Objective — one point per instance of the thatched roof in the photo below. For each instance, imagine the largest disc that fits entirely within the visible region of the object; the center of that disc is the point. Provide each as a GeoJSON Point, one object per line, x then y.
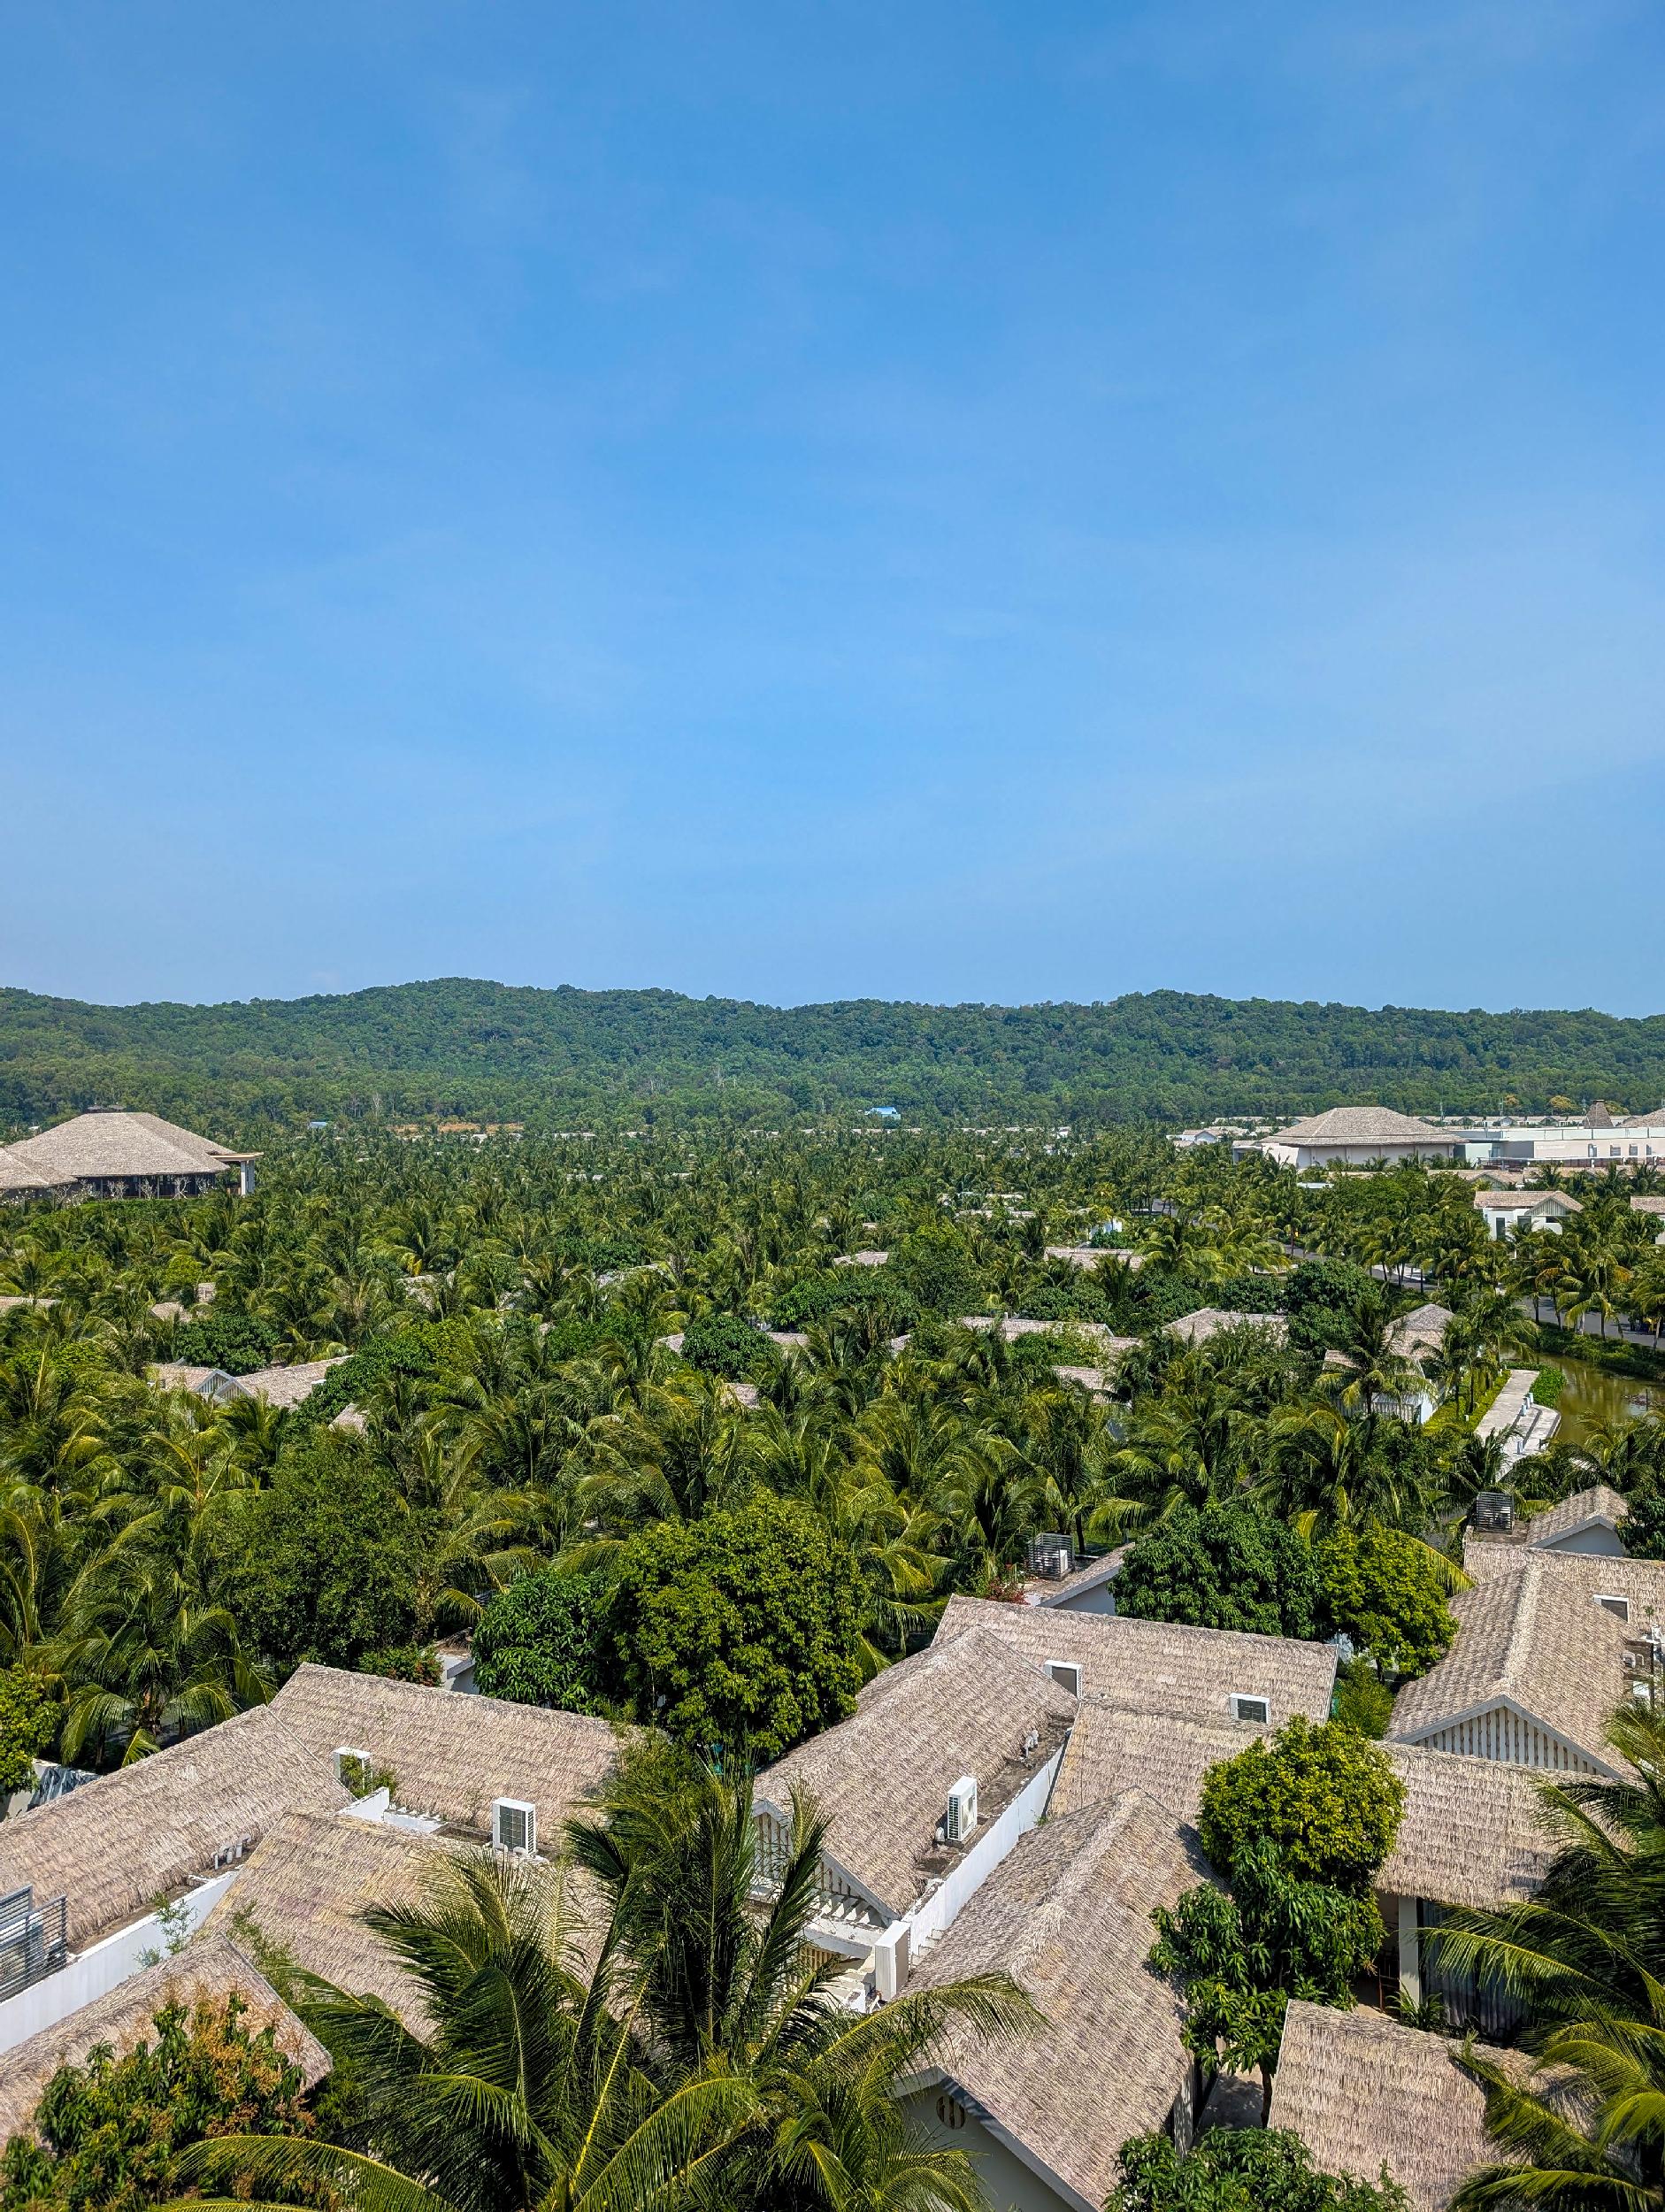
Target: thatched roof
{"type": "Point", "coordinates": [282, 1386]}
{"type": "Point", "coordinates": [1096, 1256]}
{"type": "Point", "coordinates": [1210, 1321]}
{"type": "Point", "coordinates": [1362, 2092]}
{"type": "Point", "coordinates": [452, 1754]}
{"type": "Point", "coordinates": [17, 1176]}
{"type": "Point", "coordinates": [1421, 1330]}
{"type": "Point", "coordinates": [1537, 1642]}
{"type": "Point", "coordinates": [305, 1891]}
{"type": "Point", "coordinates": [306, 1887]}
{"type": "Point", "coordinates": [95, 1145]}
{"type": "Point", "coordinates": [116, 1844]}
{"type": "Point", "coordinates": [1010, 1326]}
{"type": "Point", "coordinates": [1471, 1834]}
{"type": "Point", "coordinates": [208, 1971]}
{"type": "Point", "coordinates": [1096, 1380]}
{"type": "Point", "coordinates": [202, 1382]}
{"type": "Point", "coordinates": [1598, 1507]}
{"type": "Point", "coordinates": [1359, 1124]}
{"type": "Point", "coordinates": [1156, 1666]}
{"type": "Point", "coordinates": [1068, 1915]}
{"type": "Point", "coordinates": [286, 1386]}
{"type": "Point", "coordinates": [1487, 1554]}
{"type": "Point", "coordinates": [1113, 1748]}
{"type": "Point", "coordinates": [883, 1776]}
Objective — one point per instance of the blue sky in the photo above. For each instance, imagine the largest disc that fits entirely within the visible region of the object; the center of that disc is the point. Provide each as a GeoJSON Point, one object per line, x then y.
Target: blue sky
{"type": "Point", "coordinates": [956, 501]}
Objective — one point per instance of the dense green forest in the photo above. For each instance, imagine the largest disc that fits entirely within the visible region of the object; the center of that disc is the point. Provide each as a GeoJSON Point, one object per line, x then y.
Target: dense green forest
{"type": "Point", "coordinates": [558, 1356]}
{"type": "Point", "coordinates": [552, 1059]}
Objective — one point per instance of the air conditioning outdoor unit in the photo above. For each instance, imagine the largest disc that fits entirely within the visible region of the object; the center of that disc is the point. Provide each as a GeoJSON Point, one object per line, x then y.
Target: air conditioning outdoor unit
{"type": "Point", "coordinates": [961, 1818]}
{"type": "Point", "coordinates": [1050, 1557]}
{"type": "Point", "coordinates": [514, 1826]}
{"type": "Point", "coordinates": [1494, 1512]}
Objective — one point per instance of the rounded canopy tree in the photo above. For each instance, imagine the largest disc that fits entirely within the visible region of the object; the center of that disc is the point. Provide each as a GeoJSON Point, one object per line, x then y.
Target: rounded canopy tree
{"type": "Point", "coordinates": [738, 1632]}
{"type": "Point", "coordinates": [543, 1641]}
{"type": "Point", "coordinates": [1326, 1801]}
{"type": "Point", "coordinates": [1224, 1566]}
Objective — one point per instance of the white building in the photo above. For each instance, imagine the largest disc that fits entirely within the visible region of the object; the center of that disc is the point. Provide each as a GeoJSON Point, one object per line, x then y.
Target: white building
{"type": "Point", "coordinates": [1355, 1136]}
{"type": "Point", "coordinates": [1507, 1212]}
{"type": "Point", "coordinates": [1596, 1142]}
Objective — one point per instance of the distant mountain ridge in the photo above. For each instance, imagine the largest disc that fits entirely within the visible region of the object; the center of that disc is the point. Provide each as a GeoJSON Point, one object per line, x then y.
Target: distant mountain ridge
{"type": "Point", "coordinates": [459, 1046]}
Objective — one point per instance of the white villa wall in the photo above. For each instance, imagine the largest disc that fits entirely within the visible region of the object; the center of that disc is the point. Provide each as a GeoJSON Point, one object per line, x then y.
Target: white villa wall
{"type": "Point", "coordinates": [945, 1904]}
{"type": "Point", "coordinates": [105, 1966]}
{"type": "Point", "coordinates": [1502, 1733]}
{"type": "Point", "coordinates": [1100, 1598]}
{"type": "Point", "coordinates": [942, 2117]}
{"type": "Point", "coordinates": [1299, 1156]}
{"type": "Point", "coordinates": [1603, 1542]}
{"type": "Point", "coordinates": [1572, 1144]}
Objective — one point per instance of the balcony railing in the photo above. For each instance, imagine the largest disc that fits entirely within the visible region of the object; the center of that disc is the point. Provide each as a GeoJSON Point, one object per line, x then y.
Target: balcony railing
{"type": "Point", "coordinates": [32, 1939]}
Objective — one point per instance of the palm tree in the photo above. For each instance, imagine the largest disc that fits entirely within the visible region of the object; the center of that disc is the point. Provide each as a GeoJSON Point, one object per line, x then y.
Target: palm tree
{"type": "Point", "coordinates": [987, 1504]}
{"type": "Point", "coordinates": [1184, 1243]}
{"type": "Point", "coordinates": [1375, 1369]}
{"type": "Point", "coordinates": [1068, 1440]}
{"type": "Point", "coordinates": [1188, 1446]}
{"type": "Point", "coordinates": [1592, 1277]}
{"type": "Point", "coordinates": [1327, 1469]}
{"type": "Point", "coordinates": [686, 1455]}
{"type": "Point", "coordinates": [1534, 1266]}
{"type": "Point", "coordinates": [701, 2062]}
{"type": "Point", "coordinates": [52, 1427]}
{"type": "Point", "coordinates": [1586, 1958]}
{"type": "Point", "coordinates": [536, 2090]}
{"type": "Point", "coordinates": [719, 1935]}
{"type": "Point", "coordinates": [146, 1651]}
{"type": "Point", "coordinates": [1648, 1294]}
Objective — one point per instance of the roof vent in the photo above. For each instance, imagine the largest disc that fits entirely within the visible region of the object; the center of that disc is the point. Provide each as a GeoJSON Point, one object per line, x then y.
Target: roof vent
{"type": "Point", "coordinates": [961, 1815]}
{"type": "Point", "coordinates": [1050, 1557]}
{"type": "Point", "coordinates": [514, 1826]}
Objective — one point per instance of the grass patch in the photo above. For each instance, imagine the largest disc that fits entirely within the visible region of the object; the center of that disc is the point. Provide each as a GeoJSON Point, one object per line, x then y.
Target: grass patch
{"type": "Point", "coordinates": [1450, 1419]}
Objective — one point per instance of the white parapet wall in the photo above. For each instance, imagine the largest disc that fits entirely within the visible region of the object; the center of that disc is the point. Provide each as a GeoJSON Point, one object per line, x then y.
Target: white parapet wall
{"type": "Point", "coordinates": [105, 1966]}
{"type": "Point", "coordinates": [937, 1913]}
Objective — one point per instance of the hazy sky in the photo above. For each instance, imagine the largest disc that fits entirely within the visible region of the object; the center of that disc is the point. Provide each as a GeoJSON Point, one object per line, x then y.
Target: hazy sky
{"type": "Point", "coordinates": [806, 499]}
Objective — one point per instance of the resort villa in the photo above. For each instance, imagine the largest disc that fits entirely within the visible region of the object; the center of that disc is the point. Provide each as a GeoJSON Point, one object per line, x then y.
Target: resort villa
{"type": "Point", "coordinates": [119, 1155]}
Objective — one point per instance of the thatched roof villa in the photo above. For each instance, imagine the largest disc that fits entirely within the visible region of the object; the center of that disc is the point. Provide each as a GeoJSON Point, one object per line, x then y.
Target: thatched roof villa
{"type": "Point", "coordinates": [112, 1154]}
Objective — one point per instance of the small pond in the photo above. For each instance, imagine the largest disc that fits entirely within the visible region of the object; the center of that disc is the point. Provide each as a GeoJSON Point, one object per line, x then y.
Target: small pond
{"type": "Point", "coordinates": [1595, 1399]}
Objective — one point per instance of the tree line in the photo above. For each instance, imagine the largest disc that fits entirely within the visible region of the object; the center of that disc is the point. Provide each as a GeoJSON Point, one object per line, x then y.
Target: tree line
{"type": "Point", "coordinates": [566, 1057]}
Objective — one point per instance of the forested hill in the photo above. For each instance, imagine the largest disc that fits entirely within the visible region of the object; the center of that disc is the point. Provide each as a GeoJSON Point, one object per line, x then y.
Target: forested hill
{"type": "Point", "coordinates": [545, 1057]}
